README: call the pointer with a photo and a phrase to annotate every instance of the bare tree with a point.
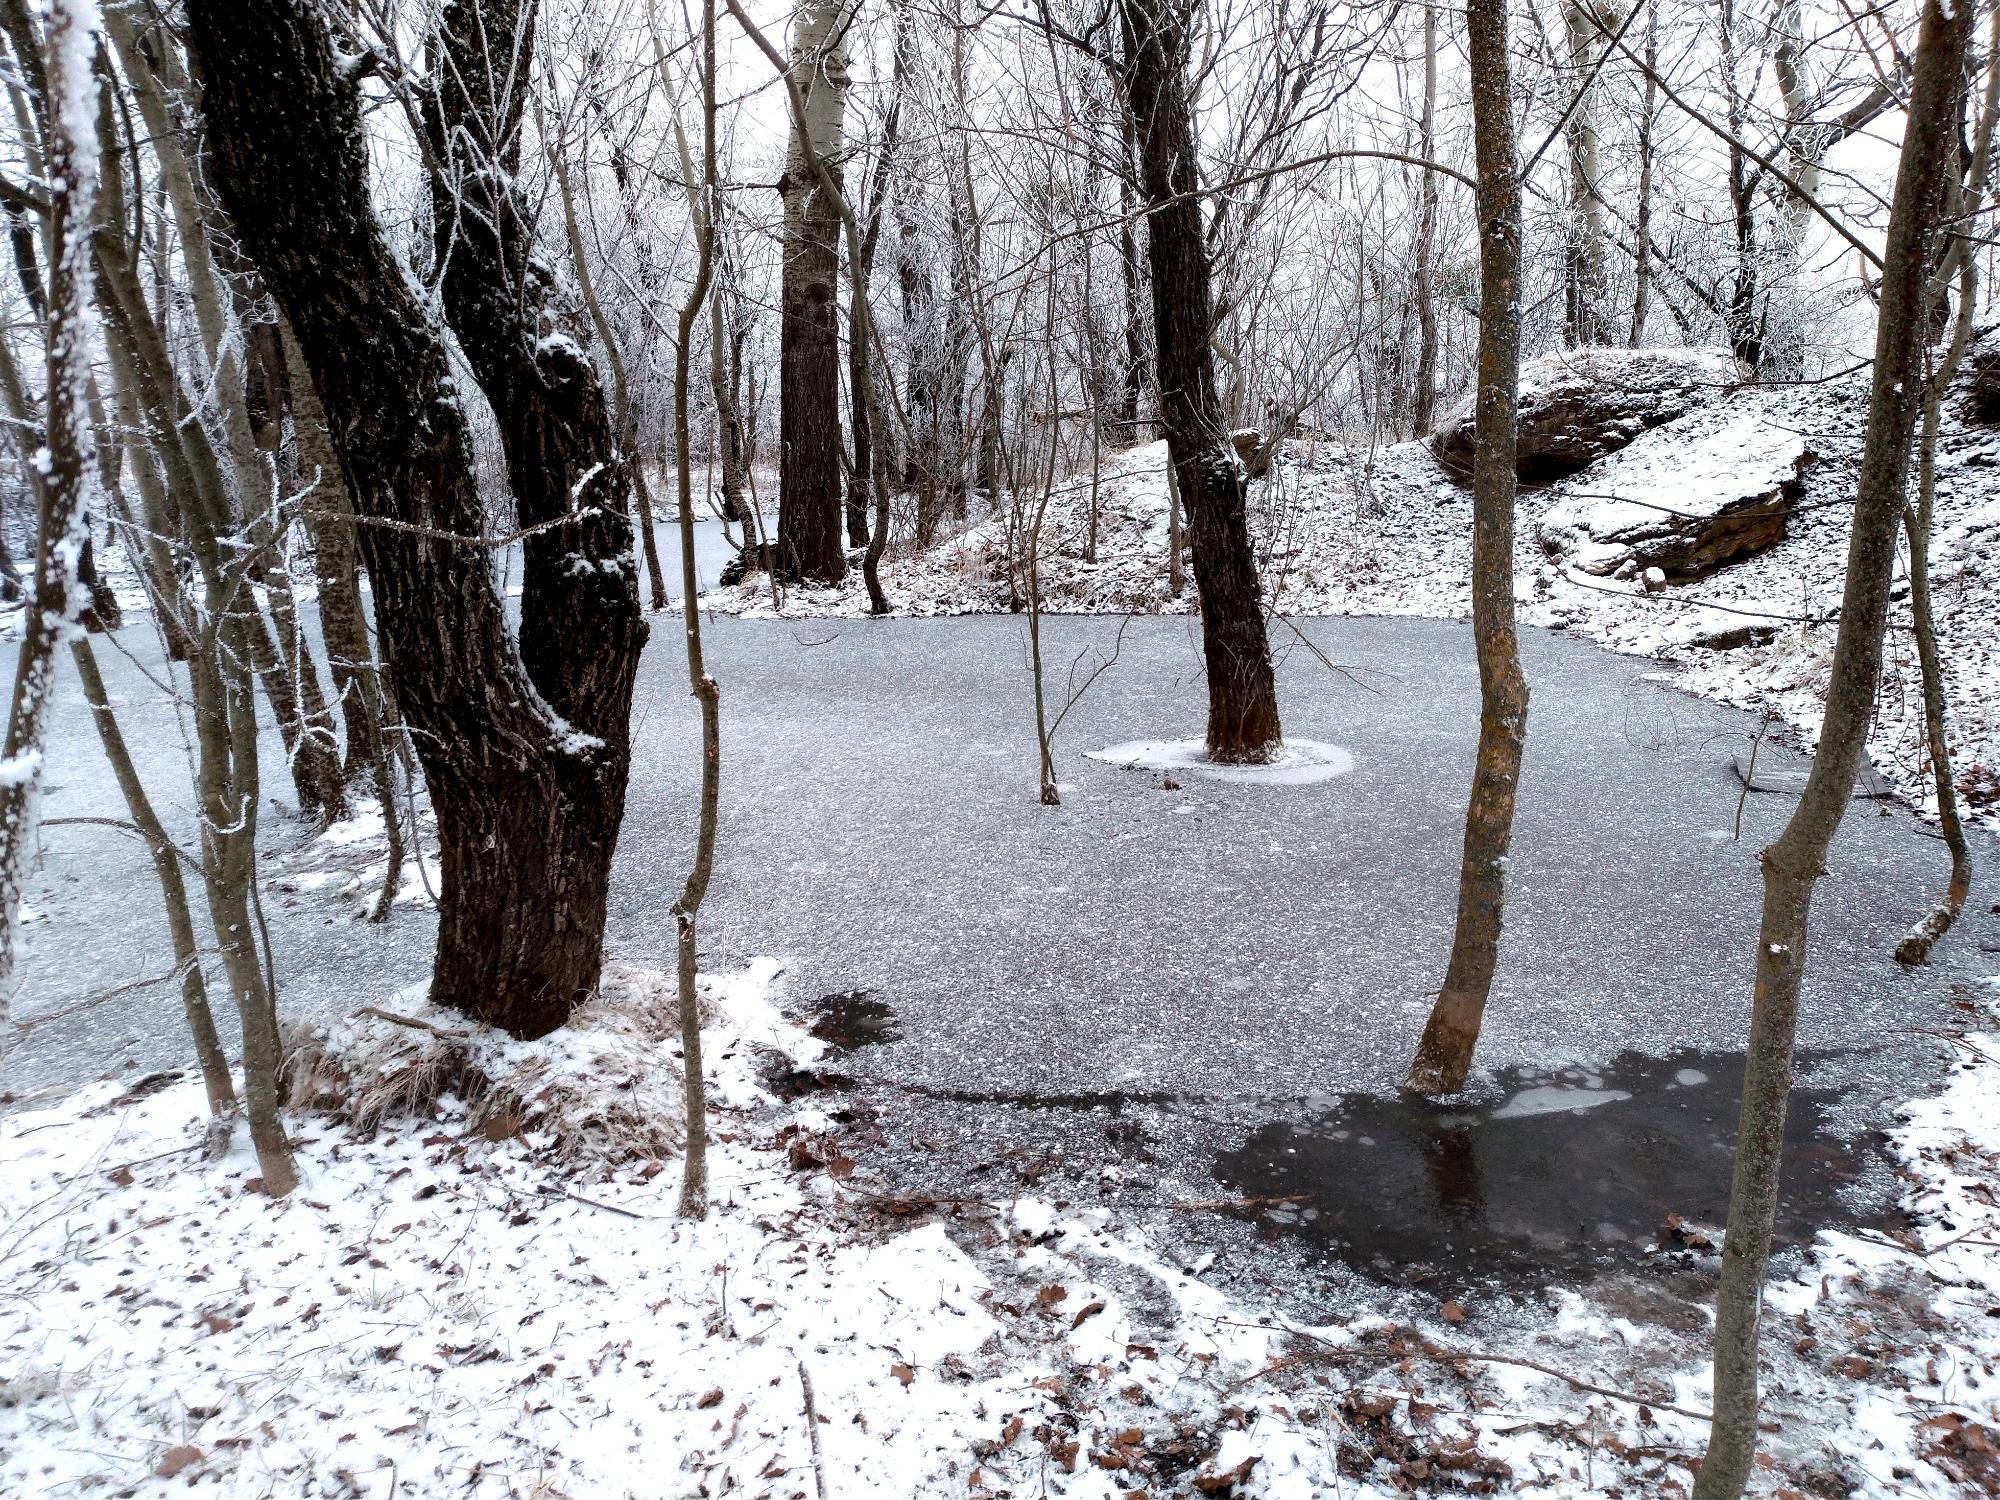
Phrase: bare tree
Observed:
(1795, 859)
(525, 748)
(60, 470)
(703, 195)
(809, 490)
(1155, 38)
(1444, 1056)
(1960, 263)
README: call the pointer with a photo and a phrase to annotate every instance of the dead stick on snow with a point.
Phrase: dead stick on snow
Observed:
(1438, 1351)
(812, 1430)
(395, 1020)
(1448, 1356)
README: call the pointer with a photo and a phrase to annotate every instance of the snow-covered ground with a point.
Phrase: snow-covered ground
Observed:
(501, 1302)
(1349, 531)
(483, 1303)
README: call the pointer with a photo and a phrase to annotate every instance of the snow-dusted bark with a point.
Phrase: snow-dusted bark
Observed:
(60, 470)
(1794, 860)
(525, 760)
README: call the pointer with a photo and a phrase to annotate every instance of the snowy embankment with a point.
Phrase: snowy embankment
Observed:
(1342, 530)
(496, 1299)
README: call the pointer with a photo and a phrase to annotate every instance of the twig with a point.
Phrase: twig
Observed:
(610, 1208)
(1438, 1351)
(812, 1430)
(390, 1016)
(1448, 1356)
(1750, 774)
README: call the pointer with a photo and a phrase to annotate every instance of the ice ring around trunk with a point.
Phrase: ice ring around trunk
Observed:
(1297, 762)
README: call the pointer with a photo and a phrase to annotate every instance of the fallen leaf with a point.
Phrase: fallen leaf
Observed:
(175, 1460)
(1225, 1483)
(1454, 1311)
(1088, 1310)
(903, 1373)
(711, 1398)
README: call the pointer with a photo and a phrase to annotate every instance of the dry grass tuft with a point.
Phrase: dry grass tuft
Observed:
(603, 1091)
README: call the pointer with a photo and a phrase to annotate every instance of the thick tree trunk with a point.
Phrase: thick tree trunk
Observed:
(1242, 688)
(1795, 860)
(809, 488)
(525, 751)
(1444, 1056)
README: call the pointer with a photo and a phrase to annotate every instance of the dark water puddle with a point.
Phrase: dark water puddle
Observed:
(1567, 1173)
(854, 1019)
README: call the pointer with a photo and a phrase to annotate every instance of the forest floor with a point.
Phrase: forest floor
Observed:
(487, 1306)
(1061, 1150)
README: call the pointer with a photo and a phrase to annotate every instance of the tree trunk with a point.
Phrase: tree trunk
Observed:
(1961, 261)
(1423, 400)
(525, 751)
(1795, 860)
(1642, 223)
(809, 488)
(1587, 280)
(621, 394)
(329, 519)
(60, 477)
(1242, 688)
(1444, 1056)
(707, 692)
(723, 362)
(173, 888)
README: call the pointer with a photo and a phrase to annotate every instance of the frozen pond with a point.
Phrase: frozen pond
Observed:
(1225, 957)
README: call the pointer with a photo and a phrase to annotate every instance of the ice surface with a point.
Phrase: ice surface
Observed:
(1555, 1099)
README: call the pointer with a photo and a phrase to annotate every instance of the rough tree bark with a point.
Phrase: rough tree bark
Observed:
(1444, 1056)
(1795, 860)
(525, 750)
(809, 488)
(1242, 688)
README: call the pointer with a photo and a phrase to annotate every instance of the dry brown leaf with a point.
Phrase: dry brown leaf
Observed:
(176, 1460)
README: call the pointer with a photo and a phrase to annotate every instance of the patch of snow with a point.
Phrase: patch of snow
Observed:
(1296, 763)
